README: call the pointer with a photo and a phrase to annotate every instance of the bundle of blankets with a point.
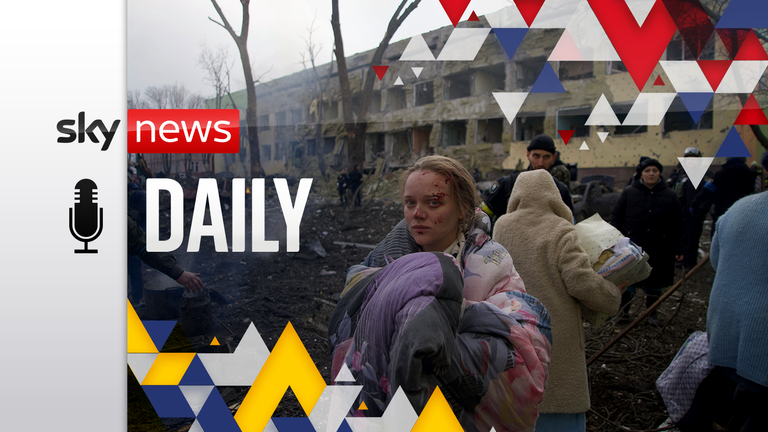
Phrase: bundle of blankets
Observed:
(463, 321)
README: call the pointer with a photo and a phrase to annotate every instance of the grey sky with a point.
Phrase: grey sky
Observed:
(164, 37)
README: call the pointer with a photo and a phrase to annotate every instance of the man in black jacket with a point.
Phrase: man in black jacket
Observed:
(355, 180)
(541, 155)
(731, 183)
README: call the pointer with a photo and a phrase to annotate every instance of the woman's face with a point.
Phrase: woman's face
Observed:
(431, 210)
(650, 176)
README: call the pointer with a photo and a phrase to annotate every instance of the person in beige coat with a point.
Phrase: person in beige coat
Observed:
(541, 239)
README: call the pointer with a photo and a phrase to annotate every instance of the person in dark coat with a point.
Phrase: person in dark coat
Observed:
(341, 184)
(649, 213)
(731, 183)
(686, 192)
(355, 180)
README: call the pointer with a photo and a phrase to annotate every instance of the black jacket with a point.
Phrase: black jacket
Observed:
(652, 219)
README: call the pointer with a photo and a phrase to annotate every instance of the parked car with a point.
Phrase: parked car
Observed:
(594, 196)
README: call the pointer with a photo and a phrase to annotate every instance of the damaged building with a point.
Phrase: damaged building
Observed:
(447, 107)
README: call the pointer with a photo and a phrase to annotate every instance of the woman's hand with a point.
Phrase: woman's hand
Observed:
(622, 286)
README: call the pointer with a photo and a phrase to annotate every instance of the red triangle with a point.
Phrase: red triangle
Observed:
(566, 135)
(751, 49)
(455, 9)
(714, 70)
(751, 114)
(659, 81)
(380, 71)
(529, 9)
(473, 17)
(733, 38)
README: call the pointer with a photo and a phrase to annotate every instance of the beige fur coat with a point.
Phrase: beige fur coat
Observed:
(539, 234)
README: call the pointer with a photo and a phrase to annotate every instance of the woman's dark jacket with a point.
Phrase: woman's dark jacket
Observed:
(652, 219)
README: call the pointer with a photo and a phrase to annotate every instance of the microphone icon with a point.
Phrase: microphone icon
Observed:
(89, 219)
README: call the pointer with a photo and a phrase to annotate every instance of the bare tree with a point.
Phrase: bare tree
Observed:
(173, 97)
(135, 101)
(318, 92)
(357, 127)
(215, 64)
(250, 86)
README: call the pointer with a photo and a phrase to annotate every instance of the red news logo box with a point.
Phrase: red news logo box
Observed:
(183, 131)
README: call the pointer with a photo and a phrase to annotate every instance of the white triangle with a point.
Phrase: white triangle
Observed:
(686, 76)
(493, 429)
(640, 9)
(566, 49)
(509, 17)
(463, 44)
(584, 146)
(555, 14)
(417, 71)
(398, 81)
(742, 77)
(603, 136)
(602, 114)
(695, 167)
(417, 50)
(344, 375)
(270, 427)
(588, 35)
(510, 103)
(252, 343)
(333, 406)
(140, 364)
(196, 396)
(400, 415)
(649, 109)
(367, 424)
(196, 427)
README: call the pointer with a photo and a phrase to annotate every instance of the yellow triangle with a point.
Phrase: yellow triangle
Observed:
(138, 338)
(362, 407)
(437, 415)
(215, 341)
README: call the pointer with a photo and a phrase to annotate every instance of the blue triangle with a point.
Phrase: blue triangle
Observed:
(696, 103)
(168, 401)
(733, 146)
(510, 38)
(159, 331)
(547, 82)
(196, 374)
(344, 427)
(745, 14)
(215, 416)
(293, 424)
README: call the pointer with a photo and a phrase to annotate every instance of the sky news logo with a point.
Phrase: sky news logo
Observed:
(183, 131)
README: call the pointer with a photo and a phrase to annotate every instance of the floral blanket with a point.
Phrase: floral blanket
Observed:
(417, 320)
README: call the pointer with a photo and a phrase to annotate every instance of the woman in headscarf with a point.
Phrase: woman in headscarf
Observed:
(438, 303)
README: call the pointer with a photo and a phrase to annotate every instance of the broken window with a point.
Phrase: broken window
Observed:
(424, 93)
(311, 147)
(612, 67)
(374, 145)
(490, 130)
(454, 133)
(678, 49)
(280, 118)
(528, 71)
(396, 98)
(421, 140)
(574, 119)
(329, 143)
(488, 80)
(621, 110)
(678, 118)
(528, 125)
(278, 151)
(376, 102)
(296, 150)
(575, 70)
(263, 122)
(296, 117)
(401, 144)
(332, 111)
(458, 86)
(266, 152)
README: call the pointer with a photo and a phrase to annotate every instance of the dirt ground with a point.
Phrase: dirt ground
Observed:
(272, 289)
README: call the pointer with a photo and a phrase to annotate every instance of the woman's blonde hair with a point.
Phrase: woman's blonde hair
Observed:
(463, 185)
